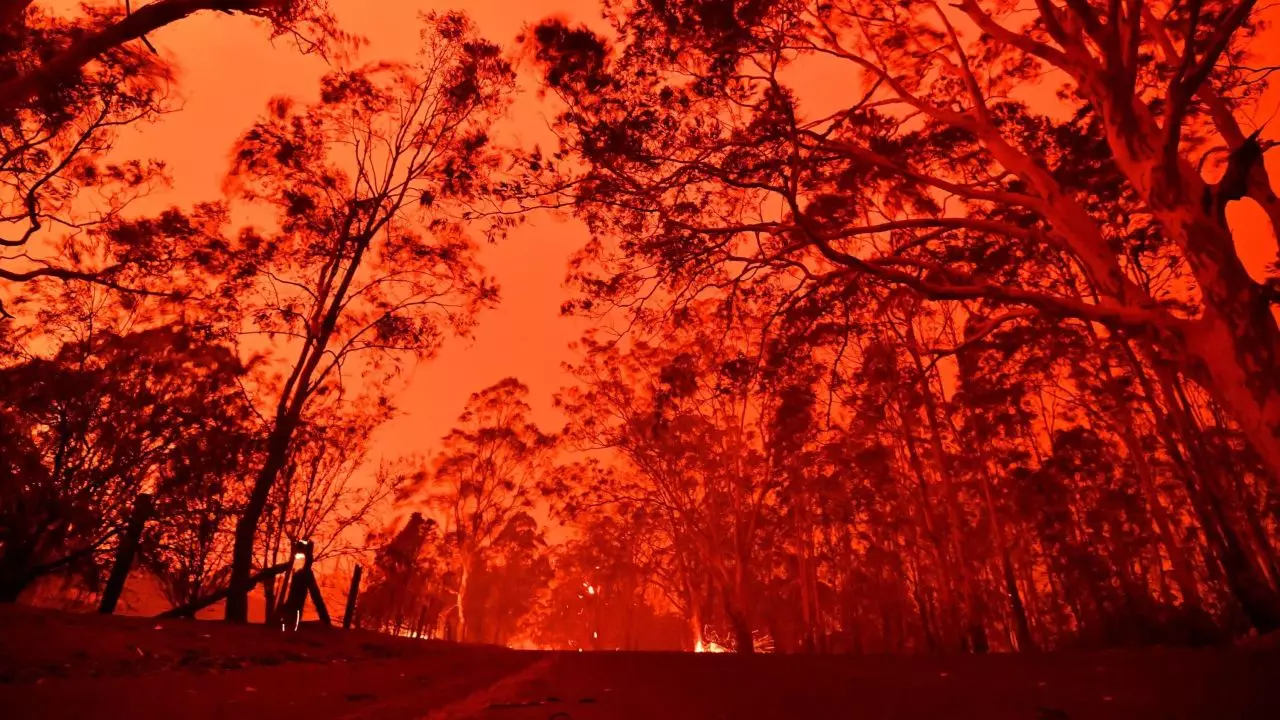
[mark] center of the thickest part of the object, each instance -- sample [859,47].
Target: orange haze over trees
[895,327]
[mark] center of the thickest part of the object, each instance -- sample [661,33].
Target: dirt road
[55,666]
[503,685]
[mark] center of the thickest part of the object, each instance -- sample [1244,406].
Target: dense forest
[957,353]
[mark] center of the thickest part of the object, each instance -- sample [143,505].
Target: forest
[964,349]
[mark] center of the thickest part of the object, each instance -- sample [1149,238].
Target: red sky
[228,71]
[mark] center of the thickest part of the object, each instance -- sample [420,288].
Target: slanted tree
[408,586]
[507,581]
[324,495]
[612,586]
[696,420]
[366,266]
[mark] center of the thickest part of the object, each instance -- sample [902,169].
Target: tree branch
[133,26]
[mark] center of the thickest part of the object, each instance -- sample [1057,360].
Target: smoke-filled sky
[227,71]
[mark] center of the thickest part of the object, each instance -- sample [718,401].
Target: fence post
[299,587]
[125,552]
[348,617]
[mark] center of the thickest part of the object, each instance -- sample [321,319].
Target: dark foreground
[82,667]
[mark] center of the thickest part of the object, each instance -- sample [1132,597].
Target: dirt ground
[56,665]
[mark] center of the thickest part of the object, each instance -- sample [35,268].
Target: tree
[608,590]
[484,477]
[407,588]
[324,496]
[938,177]
[105,36]
[366,265]
[113,412]
[708,430]
[67,86]
[55,160]
[507,581]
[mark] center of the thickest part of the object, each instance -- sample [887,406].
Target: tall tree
[366,265]
[947,174]
[485,477]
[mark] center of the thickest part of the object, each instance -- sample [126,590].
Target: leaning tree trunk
[1233,348]
[237,609]
[1256,597]
[1180,563]
[293,399]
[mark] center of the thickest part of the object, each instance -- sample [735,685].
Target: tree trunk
[743,640]
[464,577]
[1183,572]
[1022,627]
[1233,348]
[1125,422]
[803,572]
[946,631]
[237,609]
[1257,597]
[970,592]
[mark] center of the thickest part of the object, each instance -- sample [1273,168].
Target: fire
[708,647]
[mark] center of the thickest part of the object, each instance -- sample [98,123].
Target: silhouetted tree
[366,265]
[485,477]
[111,413]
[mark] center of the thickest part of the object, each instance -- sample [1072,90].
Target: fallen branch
[191,608]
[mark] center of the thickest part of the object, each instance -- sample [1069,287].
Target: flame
[708,647]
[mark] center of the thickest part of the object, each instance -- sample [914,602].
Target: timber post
[299,586]
[348,616]
[125,553]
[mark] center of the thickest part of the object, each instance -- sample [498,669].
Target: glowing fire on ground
[709,647]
